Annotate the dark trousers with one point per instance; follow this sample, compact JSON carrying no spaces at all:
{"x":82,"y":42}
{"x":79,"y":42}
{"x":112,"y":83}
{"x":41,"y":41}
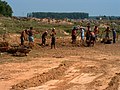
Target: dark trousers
{"x":114,"y":40}
{"x":53,"y":42}
{"x":73,"y":39}
{"x":22,"y":40}
{"x":43,"y":40}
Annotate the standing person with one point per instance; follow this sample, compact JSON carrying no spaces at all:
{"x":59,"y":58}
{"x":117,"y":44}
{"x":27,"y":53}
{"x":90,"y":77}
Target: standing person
{"x":44,"y":37}
{"x":82,"y":30}
{"x":31,"y":33}
{"x":114,"y":35}
{"x":53,"y":33}
{"x":107,"y":31}
{"x":96,"y":32}
{"x":88,"y":36}
{"x":22,"y":37}
{"x":92,"y":38}
{"x":74,"y":35}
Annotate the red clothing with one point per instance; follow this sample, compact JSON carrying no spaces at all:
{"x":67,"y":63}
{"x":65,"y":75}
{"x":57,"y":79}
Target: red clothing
{"x":73,"y":32}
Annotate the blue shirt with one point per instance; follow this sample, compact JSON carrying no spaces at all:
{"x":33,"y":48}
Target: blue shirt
{"x":114,"y":33}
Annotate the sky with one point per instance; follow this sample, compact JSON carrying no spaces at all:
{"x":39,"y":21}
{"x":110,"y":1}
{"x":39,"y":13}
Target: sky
{"x":93,"y":7}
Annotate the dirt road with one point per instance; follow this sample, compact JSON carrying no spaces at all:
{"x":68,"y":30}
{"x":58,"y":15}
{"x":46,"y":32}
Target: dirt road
{"x":66,"y":68}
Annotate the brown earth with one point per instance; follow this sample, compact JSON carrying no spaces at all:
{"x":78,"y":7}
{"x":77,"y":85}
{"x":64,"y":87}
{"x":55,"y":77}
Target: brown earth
{"x":69,"y":67}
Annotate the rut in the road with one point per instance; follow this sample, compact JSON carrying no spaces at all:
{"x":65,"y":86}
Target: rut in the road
{"x":114,"y":82}
{"x":44,"y":77}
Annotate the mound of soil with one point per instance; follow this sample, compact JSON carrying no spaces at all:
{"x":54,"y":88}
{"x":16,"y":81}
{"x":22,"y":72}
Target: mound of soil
{"x":44,"y":77}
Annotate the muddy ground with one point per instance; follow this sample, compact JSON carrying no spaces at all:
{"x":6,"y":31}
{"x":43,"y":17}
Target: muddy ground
{"x":68,"y":67}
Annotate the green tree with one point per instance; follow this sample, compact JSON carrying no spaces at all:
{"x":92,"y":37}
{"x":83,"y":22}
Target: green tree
{"x":5,"y":9}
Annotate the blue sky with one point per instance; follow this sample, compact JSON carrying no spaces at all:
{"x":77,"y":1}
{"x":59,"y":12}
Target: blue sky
{"x":93,"y":7}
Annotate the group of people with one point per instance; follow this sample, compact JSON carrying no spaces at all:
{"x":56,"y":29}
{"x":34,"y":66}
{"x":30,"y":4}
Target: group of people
{"x":28,"y":35}
{"x":107,"y":35}
{"x":86,"y":34}
{"x":53,"y":34}
{"x":89,"y":36}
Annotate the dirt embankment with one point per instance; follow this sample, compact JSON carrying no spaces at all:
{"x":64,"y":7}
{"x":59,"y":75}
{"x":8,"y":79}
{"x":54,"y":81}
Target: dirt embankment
{"x":55,"y":73}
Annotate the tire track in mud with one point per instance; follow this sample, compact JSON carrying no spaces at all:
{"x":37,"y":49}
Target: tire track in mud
{"x":110,"y":79}
{"x":44,"y":77}
{"x":69,"y":71}
{"x":114,"y":83}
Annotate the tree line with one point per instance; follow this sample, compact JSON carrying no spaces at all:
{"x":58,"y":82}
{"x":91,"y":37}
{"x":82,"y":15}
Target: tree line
{"x":105,"y":17}
{"x":5,"y":9}
{"x":74,"y":15}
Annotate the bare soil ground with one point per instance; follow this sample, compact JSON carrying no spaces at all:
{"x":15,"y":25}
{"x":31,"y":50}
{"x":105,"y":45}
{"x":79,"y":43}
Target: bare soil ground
{"x":69,"y":67}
